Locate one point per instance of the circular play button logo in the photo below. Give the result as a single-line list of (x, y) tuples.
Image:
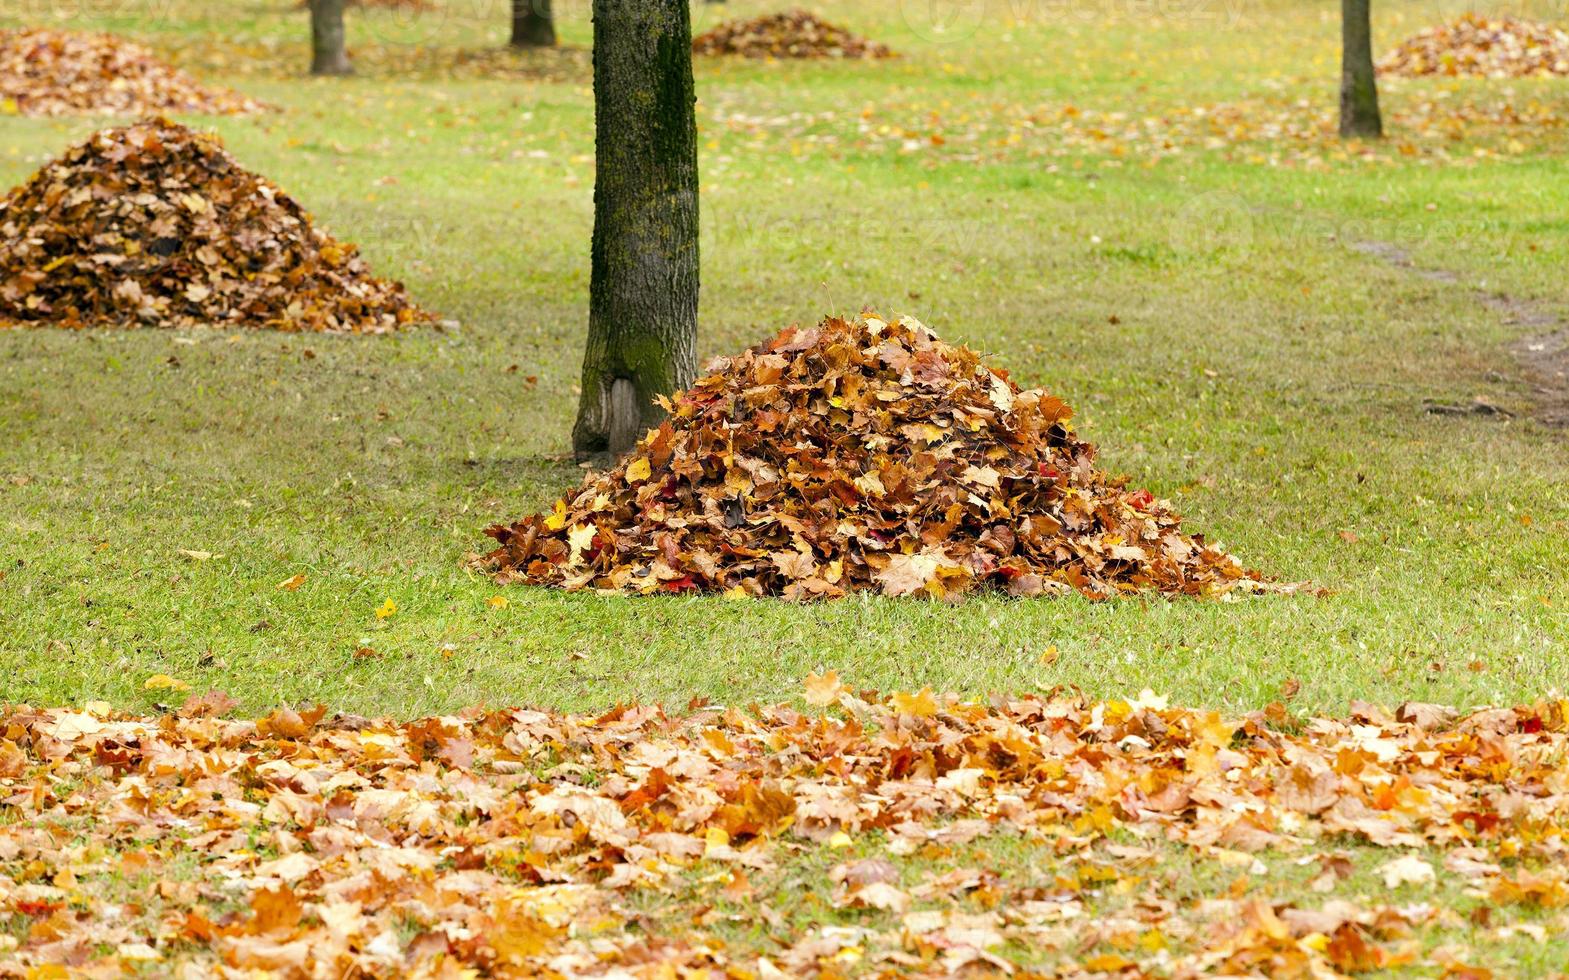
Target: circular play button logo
[(943, 21)]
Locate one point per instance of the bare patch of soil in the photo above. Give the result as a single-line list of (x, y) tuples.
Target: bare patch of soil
[(1543, 358)]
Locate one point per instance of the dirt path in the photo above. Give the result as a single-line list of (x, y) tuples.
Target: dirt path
[(1543, 356)]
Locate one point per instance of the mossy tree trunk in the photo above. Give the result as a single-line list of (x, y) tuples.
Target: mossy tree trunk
[(533, 25), (642, 320), (329, 45), (1359, 114)]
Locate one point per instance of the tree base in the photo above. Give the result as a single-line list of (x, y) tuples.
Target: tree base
[(1354, 127), (333, 68), (613, 430), (545, 39)]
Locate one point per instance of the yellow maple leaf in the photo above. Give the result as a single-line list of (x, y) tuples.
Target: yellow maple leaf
[(920, 704), (386, 609), (1108, 963), (639, 470), (558, 517), (580, 539), (823, 690), (497, 602), (163, 682)]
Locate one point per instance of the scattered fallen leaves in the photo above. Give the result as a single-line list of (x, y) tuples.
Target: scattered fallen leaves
[(520, 842), (790, 34), (1276, 129), (56, 73), (155, 225), (1407, 870), (863, 455), (384, 57), (1548, 889), (1480, 46)]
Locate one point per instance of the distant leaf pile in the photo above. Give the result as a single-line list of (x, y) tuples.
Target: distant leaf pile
[(57, 73), (1478, 46), (862, 455), (154, 225), (791, 34), (525, 843)]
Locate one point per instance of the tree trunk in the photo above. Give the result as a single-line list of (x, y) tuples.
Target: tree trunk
[(329, 54), (1358, 87), (642, 319), (533, 26)]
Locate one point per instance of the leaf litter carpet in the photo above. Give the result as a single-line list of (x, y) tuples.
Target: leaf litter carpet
[(1479, 46), (530, 843), (789, 34), (863, 455), (154, 225), (58, 73)]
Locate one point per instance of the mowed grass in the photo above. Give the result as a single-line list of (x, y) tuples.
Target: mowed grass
[(1222, 342)]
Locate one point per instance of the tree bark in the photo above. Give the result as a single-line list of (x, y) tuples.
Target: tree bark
[(642, 320), (329, 52), (533, 25), (1359, 114)]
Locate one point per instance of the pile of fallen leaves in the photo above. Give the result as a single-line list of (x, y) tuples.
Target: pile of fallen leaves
[(155, 225), (931, 833), (862, 455), (1478, 46), (55, 73), (791, 34)]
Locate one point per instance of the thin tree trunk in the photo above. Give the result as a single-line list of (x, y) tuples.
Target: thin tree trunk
[(1359, 114), (533, 26), (642, 320), (329, 53)]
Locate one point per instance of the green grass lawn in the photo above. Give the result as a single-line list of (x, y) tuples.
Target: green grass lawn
[(1204, 310)]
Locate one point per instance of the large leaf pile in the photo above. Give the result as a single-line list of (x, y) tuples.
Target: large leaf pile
[(1481, 46), (528, 843), (155, 225), (862, 455), (790, 34), (56, 73)]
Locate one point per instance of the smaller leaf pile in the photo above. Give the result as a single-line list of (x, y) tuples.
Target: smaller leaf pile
[(58, 73), (522, 843), (791, 34), (155, 225), (1478, 46), (862, 455)]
